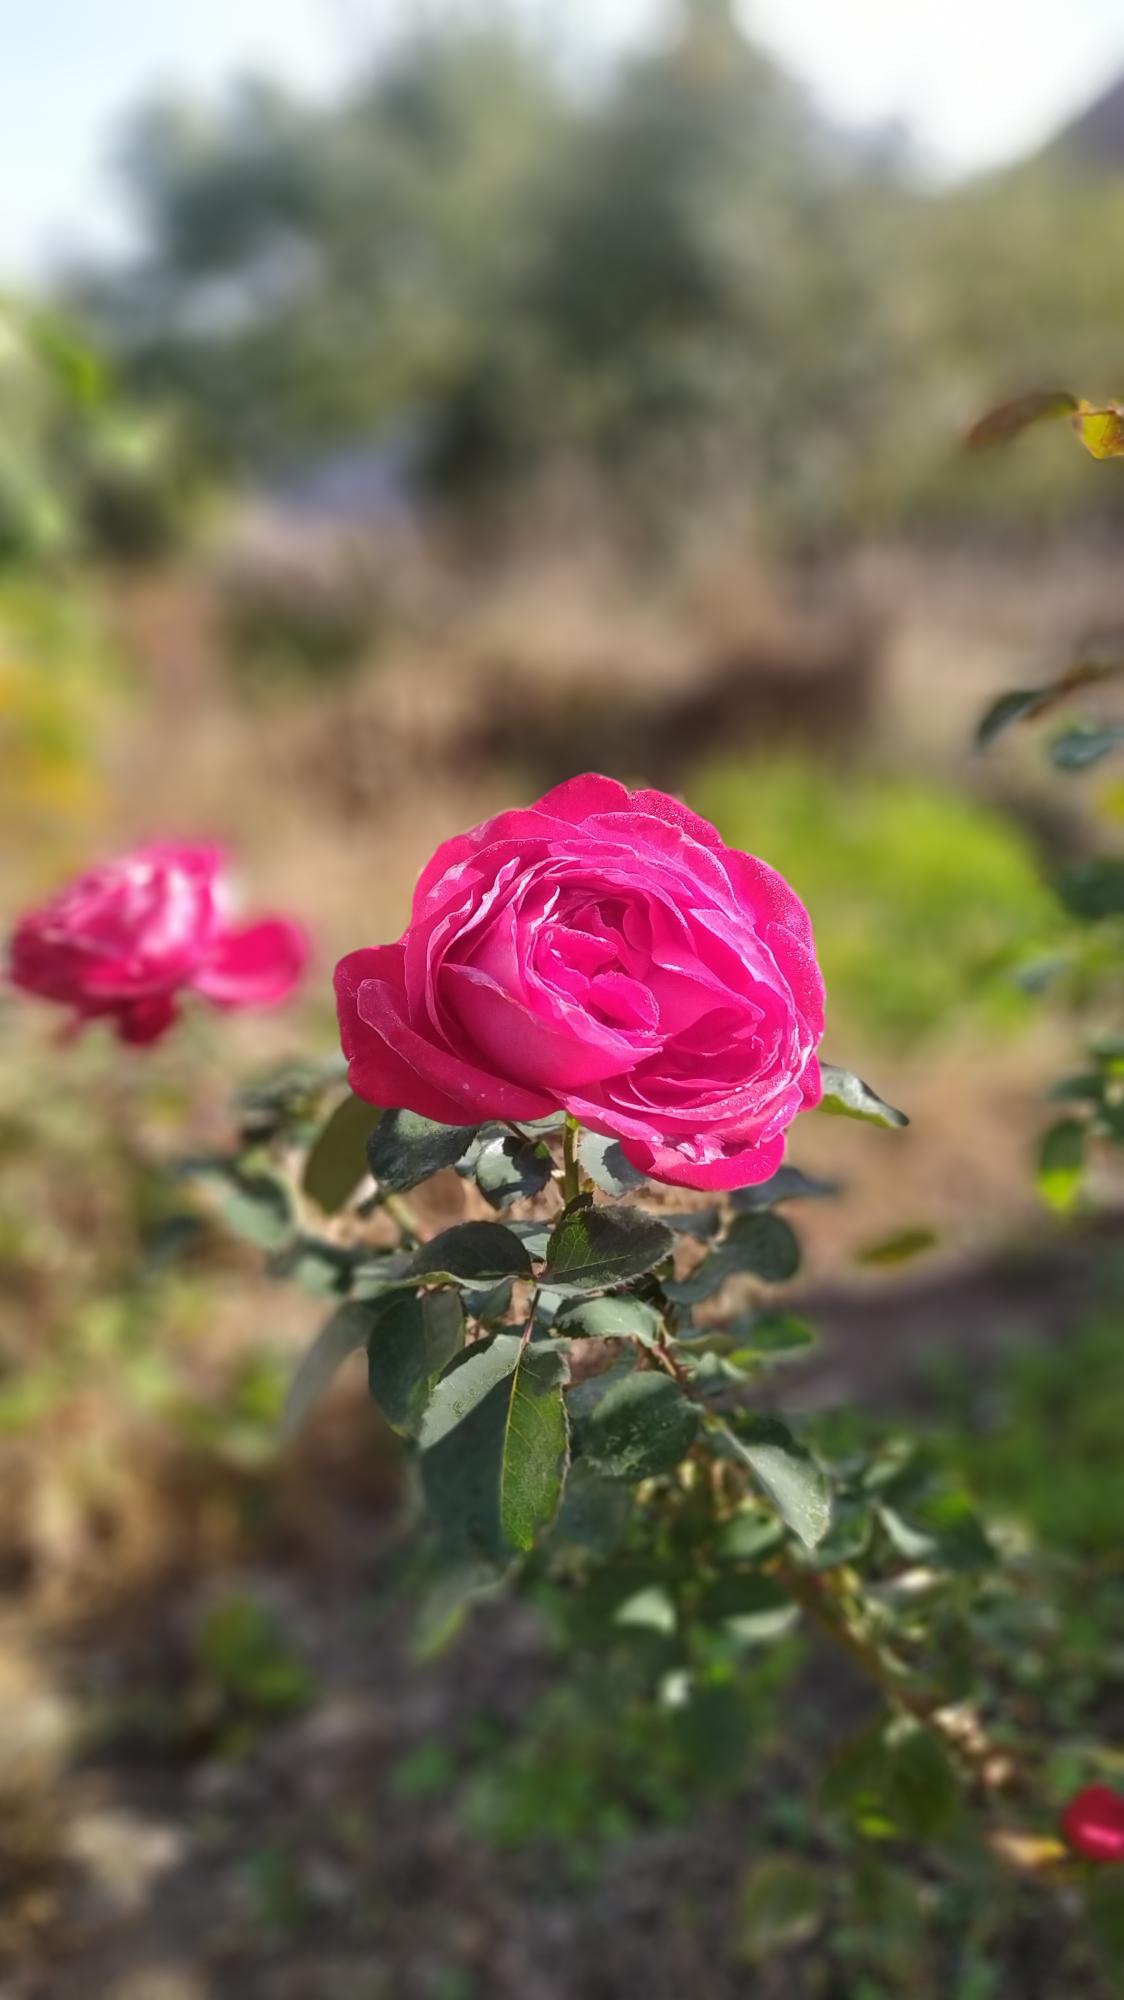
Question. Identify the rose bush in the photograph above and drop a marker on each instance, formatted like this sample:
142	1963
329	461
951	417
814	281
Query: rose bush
124	940
601	952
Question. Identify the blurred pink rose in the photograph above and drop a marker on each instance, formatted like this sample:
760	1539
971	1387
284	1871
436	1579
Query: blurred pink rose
1093	1823
603	952
124	940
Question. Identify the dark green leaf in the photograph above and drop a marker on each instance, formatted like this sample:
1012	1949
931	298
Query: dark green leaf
411	1340
604	1161
404	1149
761	1245
772	1333
338	1160
494	1445
633	1425
1008	709
1094	889
787	1472
472	1251
594	1511
700	1223
593	1248
849	1097
325	1269
340	1336
492	1304
619	1317
787	1184
506	1167
781	1905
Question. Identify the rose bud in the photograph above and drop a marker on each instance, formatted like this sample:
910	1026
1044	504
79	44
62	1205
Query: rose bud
1093	1823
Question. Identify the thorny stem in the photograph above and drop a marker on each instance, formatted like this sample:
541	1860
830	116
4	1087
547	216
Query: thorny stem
990	1766
571	1178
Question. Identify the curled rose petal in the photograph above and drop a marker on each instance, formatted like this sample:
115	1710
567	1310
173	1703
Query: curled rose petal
600	952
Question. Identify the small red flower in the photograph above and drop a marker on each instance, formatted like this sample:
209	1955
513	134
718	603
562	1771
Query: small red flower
1093	1823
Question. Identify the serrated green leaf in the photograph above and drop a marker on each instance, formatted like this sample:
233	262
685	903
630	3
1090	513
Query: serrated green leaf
633	1424
616	1317
338	1160
787	1472
472	1251
340	1336
604	1162
847	1096
591	1248
506	1167
411	1340
494	1446
405	1149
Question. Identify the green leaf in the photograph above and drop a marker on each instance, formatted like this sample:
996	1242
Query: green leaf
898	1248
787	1184
494	1445
593	1248
847	1096
1061	1163
338	1160
633	1425
618	1317
340	1336
781	1906
1094	890
471	1251
411	1339
1085	744
786	1471
404	1149
255	1206
1008	709
772	1333
604	1161
648	1610
324	1269
594	1512
506	1167
896	1777
761	1245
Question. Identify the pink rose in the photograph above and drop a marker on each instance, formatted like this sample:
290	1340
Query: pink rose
1093	1823
602	952
127	938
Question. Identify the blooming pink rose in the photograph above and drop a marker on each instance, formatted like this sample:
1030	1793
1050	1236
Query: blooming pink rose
603	952
127	938
1093	1823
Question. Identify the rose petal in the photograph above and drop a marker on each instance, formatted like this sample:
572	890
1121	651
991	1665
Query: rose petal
258	966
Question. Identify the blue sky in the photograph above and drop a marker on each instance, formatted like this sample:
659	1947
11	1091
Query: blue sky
977	80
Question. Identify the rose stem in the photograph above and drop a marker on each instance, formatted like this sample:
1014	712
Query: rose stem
571	1179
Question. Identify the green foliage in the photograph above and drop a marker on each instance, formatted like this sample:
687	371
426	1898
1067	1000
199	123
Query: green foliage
411	1339
243	1650
916	893
404	1149
592	1248
494	1446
